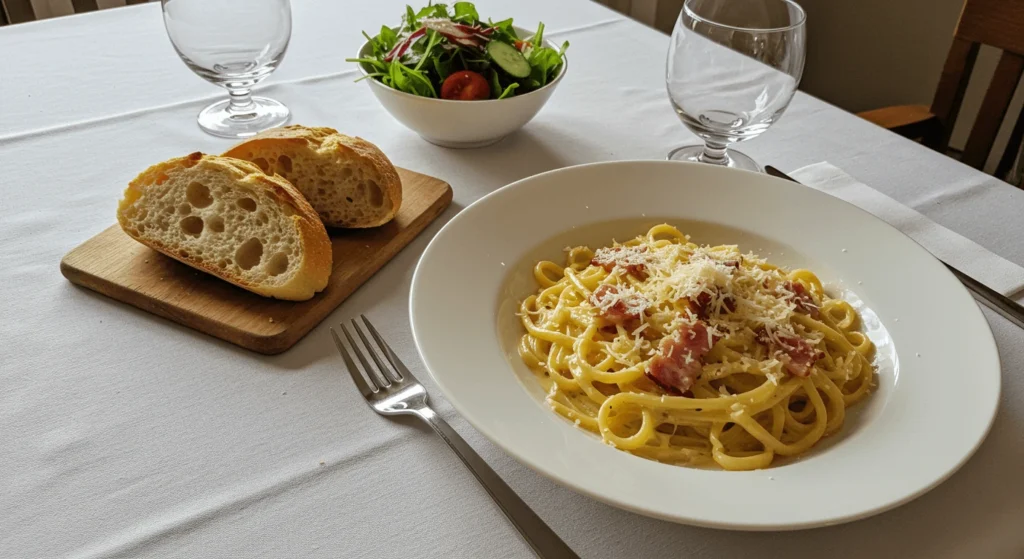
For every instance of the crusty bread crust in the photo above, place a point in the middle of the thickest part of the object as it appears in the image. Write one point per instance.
(327, 146)
(314, 267)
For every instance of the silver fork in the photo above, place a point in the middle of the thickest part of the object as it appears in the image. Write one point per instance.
(394, 391)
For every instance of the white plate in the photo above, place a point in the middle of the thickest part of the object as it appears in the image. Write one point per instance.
(938, 364)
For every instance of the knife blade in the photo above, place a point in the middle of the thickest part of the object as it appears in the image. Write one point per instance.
(985, 295)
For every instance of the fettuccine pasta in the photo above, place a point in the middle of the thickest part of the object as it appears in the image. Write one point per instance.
(694, 355)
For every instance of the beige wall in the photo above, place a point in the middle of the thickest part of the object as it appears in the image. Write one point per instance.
(864, 54)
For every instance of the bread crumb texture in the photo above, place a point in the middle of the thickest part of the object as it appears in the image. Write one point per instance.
(348, 181)
(226, 217)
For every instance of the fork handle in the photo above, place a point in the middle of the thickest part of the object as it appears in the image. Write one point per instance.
(544, 541)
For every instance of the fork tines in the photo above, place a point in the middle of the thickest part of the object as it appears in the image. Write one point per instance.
(387, 372)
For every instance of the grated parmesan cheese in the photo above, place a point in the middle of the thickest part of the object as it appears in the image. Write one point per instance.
(737, 293)
(631, 300)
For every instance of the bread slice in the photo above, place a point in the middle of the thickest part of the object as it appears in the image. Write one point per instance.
(226, 217)
(348, 181)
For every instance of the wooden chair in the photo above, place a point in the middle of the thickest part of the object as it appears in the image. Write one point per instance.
(997, 23)
(21, 11)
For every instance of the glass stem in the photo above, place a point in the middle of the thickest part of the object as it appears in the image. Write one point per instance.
(241, 105)
(714, 153)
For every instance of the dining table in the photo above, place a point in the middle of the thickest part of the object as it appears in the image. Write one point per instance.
(123, 434)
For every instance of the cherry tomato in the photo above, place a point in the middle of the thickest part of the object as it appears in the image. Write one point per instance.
(465, 86)
(520, 45)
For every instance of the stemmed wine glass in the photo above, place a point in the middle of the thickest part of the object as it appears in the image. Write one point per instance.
(234, 44)
(732, 69)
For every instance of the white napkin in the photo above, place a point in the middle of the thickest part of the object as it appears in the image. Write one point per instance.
(968, 256)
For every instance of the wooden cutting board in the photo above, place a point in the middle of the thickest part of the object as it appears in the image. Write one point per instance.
(115, 265)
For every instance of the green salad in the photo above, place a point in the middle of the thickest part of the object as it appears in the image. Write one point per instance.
(449, 52)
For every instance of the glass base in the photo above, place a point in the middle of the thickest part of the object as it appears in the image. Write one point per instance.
(733, 158)
(263, 114)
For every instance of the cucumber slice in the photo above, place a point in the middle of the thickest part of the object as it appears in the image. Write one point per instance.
(509, 59)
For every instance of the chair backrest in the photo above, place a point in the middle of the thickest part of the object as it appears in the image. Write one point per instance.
(996, 23)
(20, 11)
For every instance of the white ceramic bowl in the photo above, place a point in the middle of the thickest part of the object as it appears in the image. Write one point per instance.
(462, 124)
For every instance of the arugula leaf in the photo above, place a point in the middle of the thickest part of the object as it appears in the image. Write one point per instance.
(387, 39)
(544, 63)
(370, 75)
(443, 68)
(495, 83)
(373, 63)
(561, 60)
(474, 60)
(412, 22)
(423, 86)
(465, 12)
(373, 45)
(433, 10)
(538, 37)
(411, 81)
(435, 38)
(509, 91)
(503, 31)
(398, 80)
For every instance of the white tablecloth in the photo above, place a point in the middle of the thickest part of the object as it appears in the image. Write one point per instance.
(122, 434)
